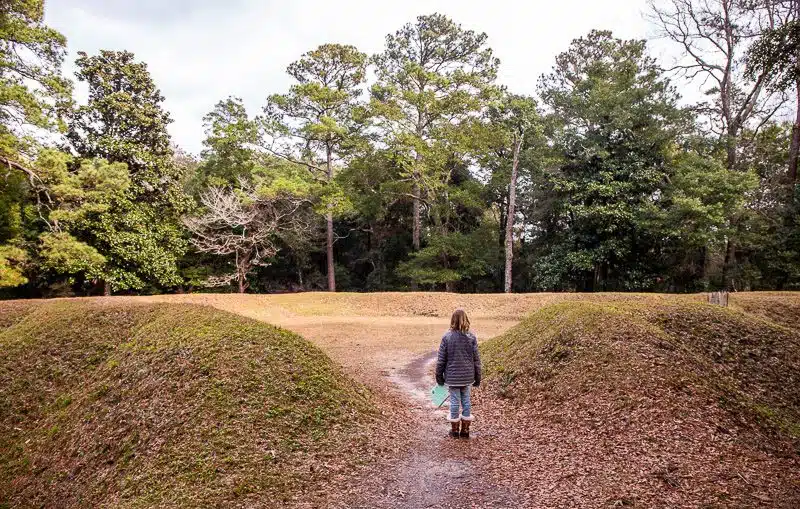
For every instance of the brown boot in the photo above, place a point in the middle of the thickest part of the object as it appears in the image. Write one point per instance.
(464, 429)
(454, 430)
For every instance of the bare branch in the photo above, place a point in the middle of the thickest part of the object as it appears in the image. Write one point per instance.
(242, 223)
(32, 175)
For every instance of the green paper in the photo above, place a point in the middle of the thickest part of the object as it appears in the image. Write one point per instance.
(439, 395)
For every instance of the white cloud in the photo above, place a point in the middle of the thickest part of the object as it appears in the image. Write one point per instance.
(202, 51)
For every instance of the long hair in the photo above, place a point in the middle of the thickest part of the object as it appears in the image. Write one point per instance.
(459, 322)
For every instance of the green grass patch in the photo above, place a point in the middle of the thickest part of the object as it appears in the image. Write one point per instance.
(140, 405)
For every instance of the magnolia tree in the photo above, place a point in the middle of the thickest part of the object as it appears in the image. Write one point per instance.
(248, 224)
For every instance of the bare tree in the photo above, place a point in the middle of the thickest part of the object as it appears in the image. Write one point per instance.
(714, 36)
(246, 224)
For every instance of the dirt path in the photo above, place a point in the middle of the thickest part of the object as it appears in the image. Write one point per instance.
(428, 469)
(436, 471)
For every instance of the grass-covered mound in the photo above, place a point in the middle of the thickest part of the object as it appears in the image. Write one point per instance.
(780, 307)
(108, 404)
(649, 404)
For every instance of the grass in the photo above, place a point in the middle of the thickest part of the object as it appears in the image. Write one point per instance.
(657, 403)
(749, 363)
(173, 401)
(120, 404)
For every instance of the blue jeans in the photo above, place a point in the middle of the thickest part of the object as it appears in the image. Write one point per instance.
(459, 397)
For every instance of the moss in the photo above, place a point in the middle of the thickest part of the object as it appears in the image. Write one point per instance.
(63, 401)
(181, 399)
(778, 418)
(52, 432)
(745, 363)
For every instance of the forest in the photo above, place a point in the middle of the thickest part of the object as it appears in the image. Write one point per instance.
(414, 168)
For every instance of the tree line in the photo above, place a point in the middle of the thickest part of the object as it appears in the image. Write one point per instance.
(414, 168)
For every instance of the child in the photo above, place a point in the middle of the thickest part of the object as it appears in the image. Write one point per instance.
(459, 366)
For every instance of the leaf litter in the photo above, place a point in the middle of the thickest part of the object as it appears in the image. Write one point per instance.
(604, 400)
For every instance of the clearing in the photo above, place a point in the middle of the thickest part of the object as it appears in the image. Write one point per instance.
(590, 400)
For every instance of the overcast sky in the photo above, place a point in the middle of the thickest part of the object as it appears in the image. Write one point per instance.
(201, 51)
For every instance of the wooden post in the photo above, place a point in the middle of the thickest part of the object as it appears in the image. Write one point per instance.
(718, 298)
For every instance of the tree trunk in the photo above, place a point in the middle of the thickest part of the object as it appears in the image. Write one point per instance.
(415, 238)
(417, 191)
(331, 269)
(242, 279)
(728, 265)
(417, 206)
(242, 266)
(106, 288)
(419, 131)
(512, 196)
(794, 148)
(731, 143)
(704, 261)
(728, 282)
(329, 220)
(450, 286)
(501, 234)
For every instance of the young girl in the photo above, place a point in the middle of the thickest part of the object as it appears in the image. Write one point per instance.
(459, 366)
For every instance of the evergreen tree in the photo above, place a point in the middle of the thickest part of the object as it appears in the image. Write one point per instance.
(617, 117)
(433, 79)
(230, 137)
(31, 90)
(124, 122)
(31, 86)
(316, 123)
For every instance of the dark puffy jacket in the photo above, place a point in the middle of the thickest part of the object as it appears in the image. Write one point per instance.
(459, 362)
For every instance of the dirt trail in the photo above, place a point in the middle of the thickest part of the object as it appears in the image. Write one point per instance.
(438, 471)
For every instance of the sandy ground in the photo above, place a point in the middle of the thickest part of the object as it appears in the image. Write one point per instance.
(371, 333)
